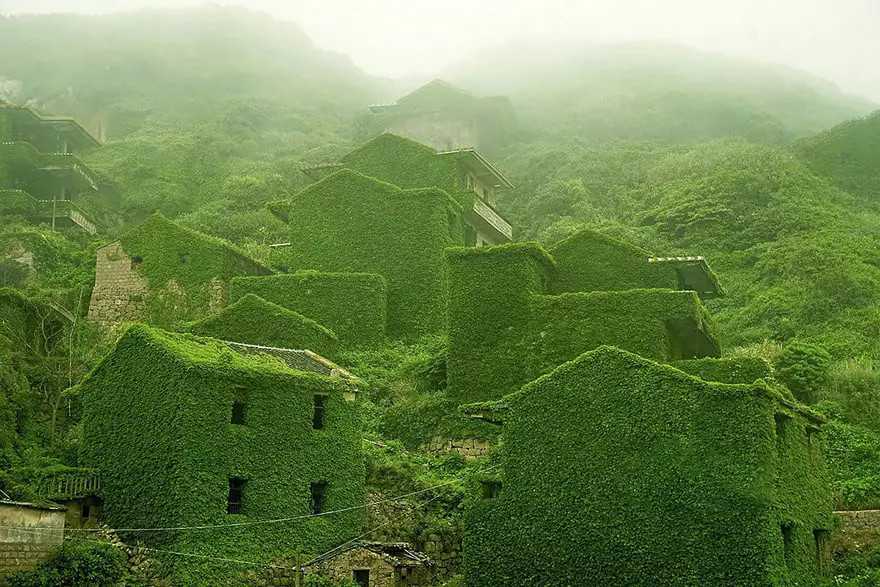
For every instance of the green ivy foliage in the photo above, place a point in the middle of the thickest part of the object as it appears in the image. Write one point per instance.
(348, 222)
(76, 564)
(848, 154)
(504, 331)
(590, 261)
(157, 424)
(739, 370)
(190, 260)
(253, 320)
(628, 472)
(803, 368)
(352, 305)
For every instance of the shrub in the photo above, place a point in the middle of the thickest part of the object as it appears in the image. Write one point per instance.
(803, 368)
(86, 564)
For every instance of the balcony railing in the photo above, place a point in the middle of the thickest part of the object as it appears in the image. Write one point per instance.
(492, 217)
(21, 202)
(71, 485)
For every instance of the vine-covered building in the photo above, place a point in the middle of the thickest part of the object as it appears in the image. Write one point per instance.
(445, 117)
(518, 311)
(41, 177)
(617, 470)
(165, 274)
(187, 431)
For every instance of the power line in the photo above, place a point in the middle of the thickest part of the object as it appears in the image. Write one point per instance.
(251, 523)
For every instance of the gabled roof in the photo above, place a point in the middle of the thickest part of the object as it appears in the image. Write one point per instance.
(160, 225)
(622, 361)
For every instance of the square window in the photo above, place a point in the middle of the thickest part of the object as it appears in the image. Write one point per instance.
(361, 577)
(491, 489)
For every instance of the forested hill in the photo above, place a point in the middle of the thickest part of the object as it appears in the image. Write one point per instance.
(655, 91)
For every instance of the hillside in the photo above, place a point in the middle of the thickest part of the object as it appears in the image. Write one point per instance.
(848, 155)
(654, 92)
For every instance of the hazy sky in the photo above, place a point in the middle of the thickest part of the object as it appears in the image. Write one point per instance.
(837, 39)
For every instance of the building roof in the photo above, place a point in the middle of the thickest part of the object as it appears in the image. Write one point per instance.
(36, 506)
(479, 166)
(67, 123)
(298, 359)
(397, 554)
(615, 358)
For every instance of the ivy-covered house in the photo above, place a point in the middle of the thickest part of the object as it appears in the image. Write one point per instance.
(617, 470)
(445, 117)
(192, 432)
(350, 223)
(40, 175)
(165, 274)
(518, 311)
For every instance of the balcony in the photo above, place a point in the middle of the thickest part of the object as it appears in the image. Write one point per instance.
(486, 220)
(62, 212)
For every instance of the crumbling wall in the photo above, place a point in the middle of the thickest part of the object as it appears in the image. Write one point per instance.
(120, 291)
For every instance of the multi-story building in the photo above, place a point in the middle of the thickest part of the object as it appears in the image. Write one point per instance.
(41, 177)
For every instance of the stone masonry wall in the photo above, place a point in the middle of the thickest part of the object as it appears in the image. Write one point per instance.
(858, 520)
(120, 292)
(21, 548)
(467, 447)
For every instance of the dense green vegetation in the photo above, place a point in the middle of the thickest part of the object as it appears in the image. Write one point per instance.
(208, 113)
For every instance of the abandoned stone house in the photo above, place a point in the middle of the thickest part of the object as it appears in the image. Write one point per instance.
(518, 311)
(41, 177)
(29, 534)
(376, 564)
(189, 431)
(618, 470)
(445, 117)
(162, 273)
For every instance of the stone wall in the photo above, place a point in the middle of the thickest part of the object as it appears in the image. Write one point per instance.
(120, 291)
(444, 552)
(469, 448)
(855, 521)
(22, 548)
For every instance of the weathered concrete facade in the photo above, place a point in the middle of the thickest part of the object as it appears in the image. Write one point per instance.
(22, 547)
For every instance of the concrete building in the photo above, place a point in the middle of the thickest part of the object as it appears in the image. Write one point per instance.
(41, 177)
(29, 534)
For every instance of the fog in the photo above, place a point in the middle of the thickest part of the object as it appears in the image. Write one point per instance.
(835, 39)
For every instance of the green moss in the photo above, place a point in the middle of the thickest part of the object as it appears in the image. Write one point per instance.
(156, 426)
(253, 320)
(348, 222)
(739, 370)
(504, 331)
(628, 472)
(352, 305)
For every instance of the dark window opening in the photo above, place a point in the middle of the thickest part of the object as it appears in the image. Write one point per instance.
(318, 415)
(318, 497)
(491, 489)
(238, 410)
(361, 577)
(236, 493)
(136, 262)
(85, 511)
(780, 420)
(787, 542)
(184, 258)
(820, 539)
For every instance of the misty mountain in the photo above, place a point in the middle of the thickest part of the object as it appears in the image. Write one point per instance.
(655, 91)
(116, 70)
